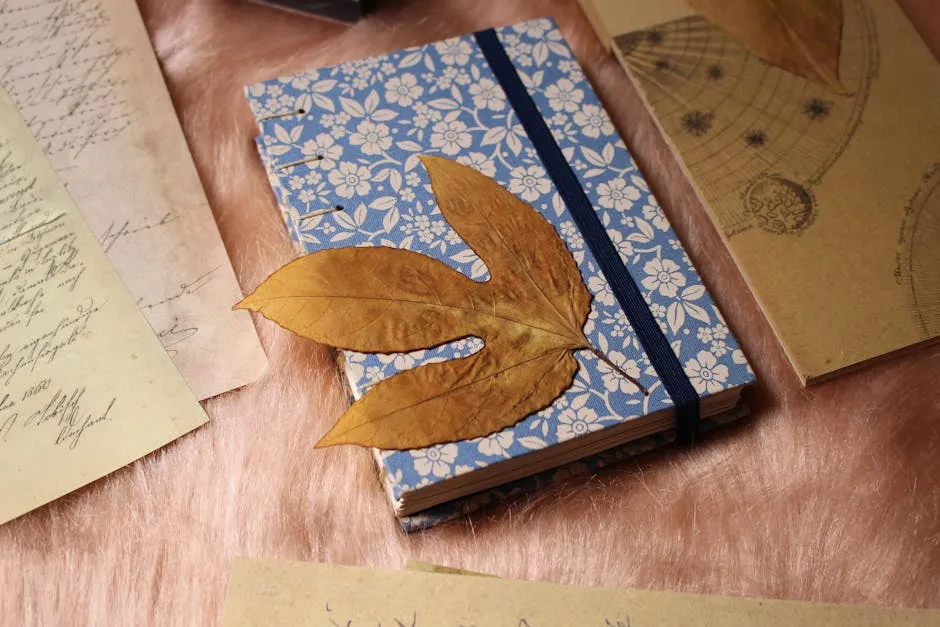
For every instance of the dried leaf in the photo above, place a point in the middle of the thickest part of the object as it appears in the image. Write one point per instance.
(457, 399)
(530, 315)
(800, 36)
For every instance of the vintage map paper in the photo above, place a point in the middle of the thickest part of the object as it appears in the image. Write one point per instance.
(293, 593)
(83, 74)
(829, 200)
(85, 386)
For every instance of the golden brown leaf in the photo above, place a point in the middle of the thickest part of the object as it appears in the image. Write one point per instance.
(457, 399)
(801, 36)
(372, 300)
(530, 315)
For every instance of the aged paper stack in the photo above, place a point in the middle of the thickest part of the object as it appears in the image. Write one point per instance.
(87, 387)
(292, 593)
(85, 79)
(95, 374)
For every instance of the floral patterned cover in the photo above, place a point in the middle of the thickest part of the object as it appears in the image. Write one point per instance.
(356, 145)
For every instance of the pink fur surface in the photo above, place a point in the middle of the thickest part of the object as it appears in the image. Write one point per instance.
(826, 494)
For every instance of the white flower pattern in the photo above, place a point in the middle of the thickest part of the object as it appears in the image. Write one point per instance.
(480, 162)
(487, 94)
(616, 194)
(454, 51)
(573, 423)
(374, 138)
(613, 380)
(663, 275)
(654, 214)
(529, 183)
(706, 374)
(564, 96)
(435, 460)
(325, 149)
(497, 444)
(403, 90)
(350, 179)
(593, 121)
(451, 137)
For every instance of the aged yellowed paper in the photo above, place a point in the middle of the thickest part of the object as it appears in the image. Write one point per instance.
(85, 385)
(293, 593)
(428, 567)
(828, 199)
(84, 76)
(610, 18)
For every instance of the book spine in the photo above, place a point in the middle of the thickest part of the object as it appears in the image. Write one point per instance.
(279, 195)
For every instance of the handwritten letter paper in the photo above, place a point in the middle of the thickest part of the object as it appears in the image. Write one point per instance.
(84, 76)
(85, 385)
(289, 593)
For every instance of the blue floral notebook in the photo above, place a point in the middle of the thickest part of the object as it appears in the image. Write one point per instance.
(341, 147)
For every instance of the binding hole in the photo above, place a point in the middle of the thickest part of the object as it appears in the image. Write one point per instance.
(339, 207)
(301, 111)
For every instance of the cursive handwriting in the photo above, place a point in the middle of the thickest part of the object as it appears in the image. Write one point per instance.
(115, 232)
(185, 288)
(43, 347)
(44, 315)
(411, 620)
(73, 420)
(84, 76)
(175, 334)
(63, 410)
(58, 64)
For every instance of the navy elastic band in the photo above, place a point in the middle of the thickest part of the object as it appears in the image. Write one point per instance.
(655, 344)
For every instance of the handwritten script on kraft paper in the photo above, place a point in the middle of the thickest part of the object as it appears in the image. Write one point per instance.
(274, 593)
(85, 78)
(85, 385)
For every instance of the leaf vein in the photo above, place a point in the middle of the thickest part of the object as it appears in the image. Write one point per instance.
(461, 386)
(424, 304)
(525, 270)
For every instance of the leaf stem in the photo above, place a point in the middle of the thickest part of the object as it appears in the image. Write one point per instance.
(618, 369)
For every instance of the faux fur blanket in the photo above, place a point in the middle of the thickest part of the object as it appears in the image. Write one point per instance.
(830, 493)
